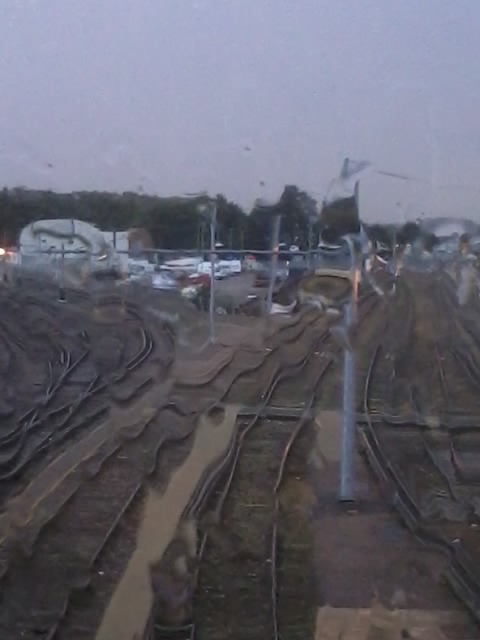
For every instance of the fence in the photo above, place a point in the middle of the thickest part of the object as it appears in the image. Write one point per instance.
(55, 260)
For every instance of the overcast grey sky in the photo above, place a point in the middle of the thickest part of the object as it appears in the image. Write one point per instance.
(182, 95)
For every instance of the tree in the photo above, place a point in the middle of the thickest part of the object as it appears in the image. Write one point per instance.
(383, 233)
(408, 233)
(298, 210)
(231, 223)
(173, 223)
(258, 228)
(430, 241)
(299, 220)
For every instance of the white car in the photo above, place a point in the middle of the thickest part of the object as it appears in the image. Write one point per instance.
(163, 281)
(219, 272)
(233, 266)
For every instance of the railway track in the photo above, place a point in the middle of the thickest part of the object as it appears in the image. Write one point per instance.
(259, 560)
(83, 381)
(81, 393)
(239, 555)
(187, 433)
(425, 372)
(237, 564)
(240, 497)
(109, 483)
(241, 599)
(458, 356)
(291, 393)
(390, 396)
(419, 470)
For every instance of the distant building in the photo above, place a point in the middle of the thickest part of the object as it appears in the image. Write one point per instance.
(133, 243)
(73, 236)
(42, 242)
(118, 240)
(139, 240)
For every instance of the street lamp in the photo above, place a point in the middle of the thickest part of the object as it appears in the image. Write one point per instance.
(208, 209)
(3, 262)
(360, 264)
(61, 276)
(312, 219)
(274, 211)
(349, 387)
(340, 211)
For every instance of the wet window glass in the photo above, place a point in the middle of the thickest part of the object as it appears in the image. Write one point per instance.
(239, 319)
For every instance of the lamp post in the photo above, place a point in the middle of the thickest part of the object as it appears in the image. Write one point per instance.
(3, 262)
(309, 244)
(347, 461)
(212, 210)
(274, 259)
(61, 278)
(272, 209)
(358, 266)
(312, 219)
(207, 207)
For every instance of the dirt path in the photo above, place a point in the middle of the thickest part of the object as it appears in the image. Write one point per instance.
(128, 611)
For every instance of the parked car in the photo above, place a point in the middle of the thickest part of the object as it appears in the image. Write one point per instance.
(196, 279)
(250, 263)
(262, 277)
(234, 267)
(219, 272)
(112, 273)
(163, 281)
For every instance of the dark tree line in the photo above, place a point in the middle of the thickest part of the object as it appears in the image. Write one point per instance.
(175, 223)
(172, 222)
(407, 233)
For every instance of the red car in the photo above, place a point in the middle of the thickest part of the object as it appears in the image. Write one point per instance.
(199, 279)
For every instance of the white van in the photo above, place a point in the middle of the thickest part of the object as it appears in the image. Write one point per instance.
(219, 272)
(233, 266)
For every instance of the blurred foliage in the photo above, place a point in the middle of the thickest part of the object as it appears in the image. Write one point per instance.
(430, 241)
(408, 233)
(384, 233)
(178, 222)
(172, 222)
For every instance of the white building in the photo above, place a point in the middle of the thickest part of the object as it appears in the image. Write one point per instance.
(120, 241)
(43, 241)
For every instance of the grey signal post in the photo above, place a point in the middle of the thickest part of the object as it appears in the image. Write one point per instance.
(207, 207)
(212, 210)
(347, 460)
(61, 282)
(276, 218)
(349, 423)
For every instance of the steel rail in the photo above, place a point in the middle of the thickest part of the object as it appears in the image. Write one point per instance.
(231, 458)
(172, 438)
(461, 575)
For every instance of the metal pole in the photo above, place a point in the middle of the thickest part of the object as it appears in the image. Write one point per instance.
(61, 288)
(347, 460)
(4, 268)
(213, 224)
(310, 227)
(273, 261)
